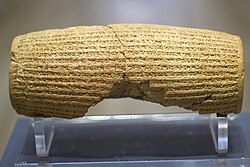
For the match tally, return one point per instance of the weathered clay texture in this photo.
(62, 72)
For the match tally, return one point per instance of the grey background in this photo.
(19, 17)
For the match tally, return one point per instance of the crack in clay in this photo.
(141, 90)
(126, 80)
(207, 98)
(116, 35)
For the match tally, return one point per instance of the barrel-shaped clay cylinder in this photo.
(63, 72)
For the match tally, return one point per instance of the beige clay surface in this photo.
(63, 72)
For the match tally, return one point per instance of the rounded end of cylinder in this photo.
(241, 75)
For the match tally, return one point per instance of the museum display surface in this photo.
(57, 75)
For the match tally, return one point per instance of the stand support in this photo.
(44, 127)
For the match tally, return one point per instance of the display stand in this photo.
(127, 139)
(218, 127)
(42, 140)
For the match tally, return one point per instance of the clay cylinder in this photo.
(62, 72)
